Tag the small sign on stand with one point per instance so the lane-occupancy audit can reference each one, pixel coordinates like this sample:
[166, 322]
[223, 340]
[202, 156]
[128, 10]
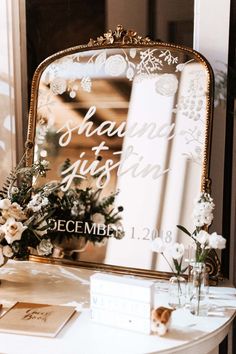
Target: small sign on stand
[122, 301]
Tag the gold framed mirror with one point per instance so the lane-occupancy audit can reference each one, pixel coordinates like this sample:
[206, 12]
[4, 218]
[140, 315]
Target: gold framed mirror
[125, 122]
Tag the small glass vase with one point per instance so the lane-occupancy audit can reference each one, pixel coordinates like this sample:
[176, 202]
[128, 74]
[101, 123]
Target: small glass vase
[198, 289]
[177, 291]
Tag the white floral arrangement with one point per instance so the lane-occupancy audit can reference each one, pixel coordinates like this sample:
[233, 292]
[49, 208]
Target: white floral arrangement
[26, 213]
[202, 241]
[202, 219]
[175, 251]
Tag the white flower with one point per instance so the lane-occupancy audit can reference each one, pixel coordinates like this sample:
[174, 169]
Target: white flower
[207, 219]
[12, 230]
[7, 251]
[74, 210]
[203, 207]
[14, 211]
[202, 237]
[58, 86]
[216, 241]
[45, 247]
[115, 65]
[37, 202]
[166, 85]
[14, 190]
[202, 213]
[198, 221]
[176, 250]
[98, 218]
[157, 245]
[2, 259]
[5, 203]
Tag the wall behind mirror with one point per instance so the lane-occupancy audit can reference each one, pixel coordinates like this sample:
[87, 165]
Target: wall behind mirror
[171, 21]
[73, 22]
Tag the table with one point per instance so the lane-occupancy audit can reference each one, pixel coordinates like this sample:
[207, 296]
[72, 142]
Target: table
[56, 284]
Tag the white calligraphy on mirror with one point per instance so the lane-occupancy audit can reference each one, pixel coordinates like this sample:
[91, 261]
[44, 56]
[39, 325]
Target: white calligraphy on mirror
[109, 128]
[138, 168]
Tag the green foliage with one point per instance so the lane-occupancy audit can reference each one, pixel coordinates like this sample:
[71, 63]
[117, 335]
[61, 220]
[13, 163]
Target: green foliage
[34, 210]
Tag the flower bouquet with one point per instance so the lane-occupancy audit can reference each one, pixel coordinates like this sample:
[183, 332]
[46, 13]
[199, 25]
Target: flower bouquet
[202, 243]
[35, 219]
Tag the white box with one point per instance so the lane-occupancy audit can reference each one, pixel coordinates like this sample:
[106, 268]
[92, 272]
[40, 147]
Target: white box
[121, 301]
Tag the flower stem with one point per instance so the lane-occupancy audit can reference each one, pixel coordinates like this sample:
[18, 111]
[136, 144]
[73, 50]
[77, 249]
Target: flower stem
[168, 263]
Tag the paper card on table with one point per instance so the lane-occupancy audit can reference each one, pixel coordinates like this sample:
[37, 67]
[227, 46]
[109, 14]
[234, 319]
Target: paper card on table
[35, 319]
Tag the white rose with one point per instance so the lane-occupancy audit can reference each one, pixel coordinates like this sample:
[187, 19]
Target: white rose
[166, 85]
[12, 230]
[115, 65]
[7, 251]
[157, 245]
[5, 203]
[14, 211]
[202, 237]
[176, 250]
[45, 247]
[216, 241]
[98, 218]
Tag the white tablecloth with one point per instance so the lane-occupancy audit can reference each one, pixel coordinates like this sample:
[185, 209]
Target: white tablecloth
[54, 284]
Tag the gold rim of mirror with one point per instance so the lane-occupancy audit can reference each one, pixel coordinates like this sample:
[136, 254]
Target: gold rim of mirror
[121, 38]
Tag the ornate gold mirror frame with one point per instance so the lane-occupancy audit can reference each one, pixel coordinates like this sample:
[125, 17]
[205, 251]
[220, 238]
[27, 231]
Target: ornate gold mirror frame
[115, 53]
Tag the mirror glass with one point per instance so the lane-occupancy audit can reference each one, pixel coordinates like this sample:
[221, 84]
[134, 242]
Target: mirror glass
[134, 122]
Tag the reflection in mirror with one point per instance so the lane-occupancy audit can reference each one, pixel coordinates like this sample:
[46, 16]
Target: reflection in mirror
[134, 123]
